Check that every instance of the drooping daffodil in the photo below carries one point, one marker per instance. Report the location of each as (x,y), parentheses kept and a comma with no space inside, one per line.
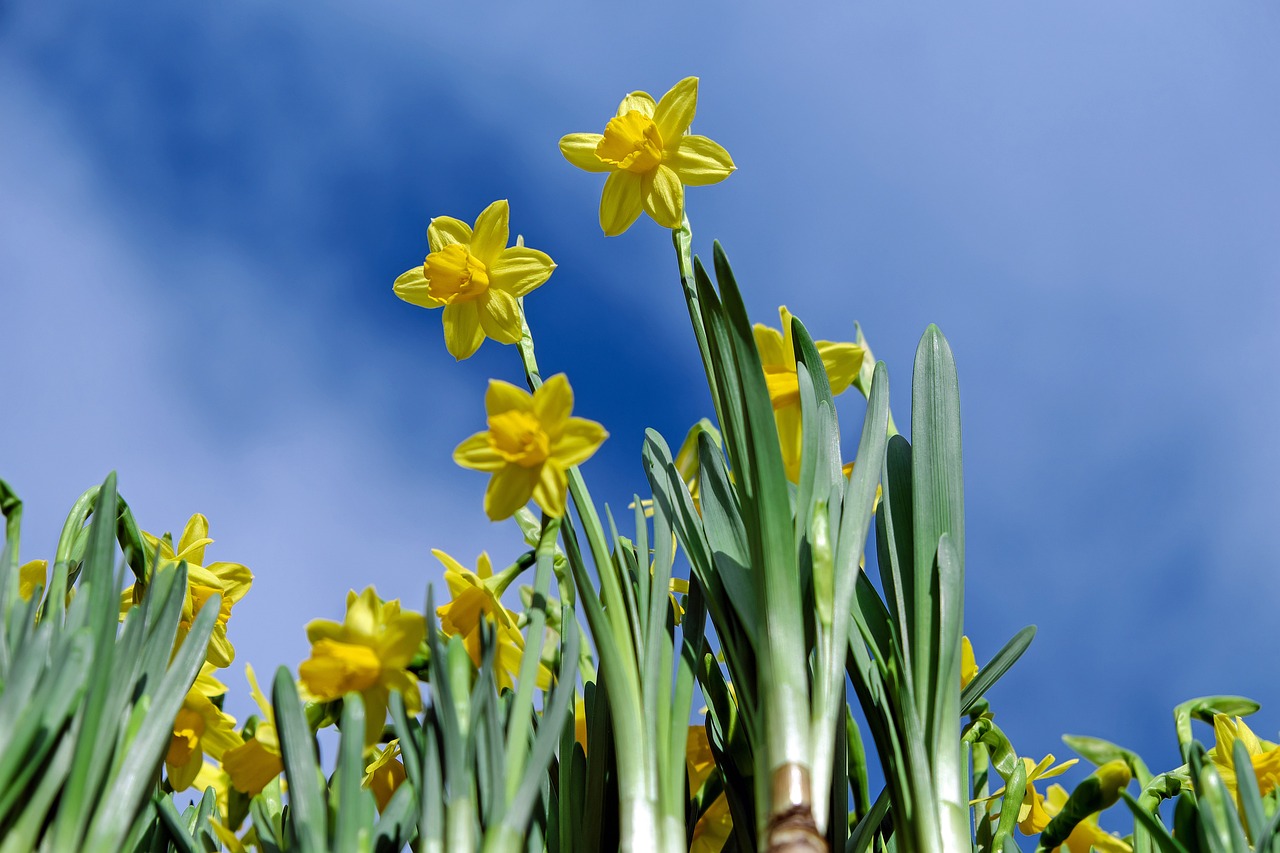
(384,773)
(650,157)
(842,361)
(366,653)
(477,278)
(716,824)
(529,447)
(201,728)
(254,763)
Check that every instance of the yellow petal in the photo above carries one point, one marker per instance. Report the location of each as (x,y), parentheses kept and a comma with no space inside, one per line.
(769,344)
(664,197)
(674,113)
(578,440)
(251,766)
(450,564)
(504,397)
(790,438)
(621,202)
(551,488)
(969,668)
(411,286)
(479,455)
(699,161)
(641,102)
(462,332)
(500,316)
(195,536)
(35,574)
(843,362)
(490,235)
(553,402)
(444,230)
(510,488)
(580,150)
(518,270)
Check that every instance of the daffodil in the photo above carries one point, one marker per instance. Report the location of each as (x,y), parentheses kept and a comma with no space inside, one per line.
(529,447)
(968,664)
(1264,756)
(1087,836)
(384,773)
(200,728)
(229,580)
(32,576)
(477,278)
(368,654)
(253,764)
(1032,816)
(651,158)
(477,596)
(716,825)
(778,357)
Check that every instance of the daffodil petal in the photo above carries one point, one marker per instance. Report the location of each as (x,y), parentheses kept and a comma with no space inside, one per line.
(444,230)
(641,102)
(411,286)
(843,362)
(769,344)
(491,233)
(674,113)
(518,270)
(449,563)
(462,332)
(510,488)
(790,439)
(663,197)
(549,493)
(476,453)
(580,150)
(699,161)
(621,203)
(500,316)
(503,397)
(553,402)
(578,440)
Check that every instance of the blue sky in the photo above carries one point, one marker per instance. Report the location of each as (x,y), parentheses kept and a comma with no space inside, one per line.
(1084,196)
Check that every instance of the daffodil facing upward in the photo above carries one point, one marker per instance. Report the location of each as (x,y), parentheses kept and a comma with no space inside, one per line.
(529,447)
(651,158)
(477,278)
(368,654)
(1263,756)
(842,361)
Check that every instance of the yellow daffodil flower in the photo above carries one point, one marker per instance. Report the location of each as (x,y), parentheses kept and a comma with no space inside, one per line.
(476,596)
(651,158)
(1264,756)
(31,576)
(201,728)
(968,664)
(842,362)
(716,825)
(384,773)
(580,722)
(1032,817)
(253,764)
(477,278)
(230,580)
(367,653)
(1087,836)
(529,446)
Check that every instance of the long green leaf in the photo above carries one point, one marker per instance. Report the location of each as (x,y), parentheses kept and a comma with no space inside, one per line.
(301,771)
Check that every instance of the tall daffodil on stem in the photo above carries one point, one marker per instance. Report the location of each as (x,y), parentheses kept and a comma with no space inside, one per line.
(531,443)
(477,278)
(650,157)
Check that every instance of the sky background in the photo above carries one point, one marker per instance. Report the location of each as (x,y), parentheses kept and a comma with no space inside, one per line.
(202,209)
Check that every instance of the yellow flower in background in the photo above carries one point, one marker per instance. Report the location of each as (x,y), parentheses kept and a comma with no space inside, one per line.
(1087,836)
(1264,756)
(384,773)
(200,728)
(651,158)
(31,576)
(968,664)
(716,825)
(254,763)
(368,654)
(1032,816)
(778,357)
(529,447)
(477,278)
(230,580)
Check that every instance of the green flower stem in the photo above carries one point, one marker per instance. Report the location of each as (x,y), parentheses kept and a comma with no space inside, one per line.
(682,238)
(520,720)
(637,785)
